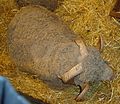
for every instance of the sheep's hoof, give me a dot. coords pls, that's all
(80, 96)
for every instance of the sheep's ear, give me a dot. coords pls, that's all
(82, 46)
(100, 44)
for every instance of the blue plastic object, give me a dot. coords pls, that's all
(8, 95)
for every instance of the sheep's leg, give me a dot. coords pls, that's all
(81, 94)
(77, 69)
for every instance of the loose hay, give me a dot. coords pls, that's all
(89, 18)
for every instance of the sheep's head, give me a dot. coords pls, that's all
(94, 68)
(91, 67)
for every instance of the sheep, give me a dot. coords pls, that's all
(40, 43)
(49, 4)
